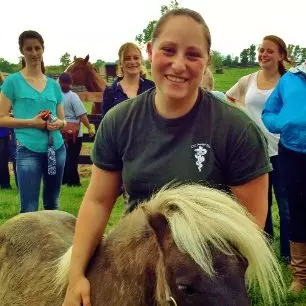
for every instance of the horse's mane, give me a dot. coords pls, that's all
(201, 219)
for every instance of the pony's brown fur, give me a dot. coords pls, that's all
(84, 73)
(189, 232)
(28, 244)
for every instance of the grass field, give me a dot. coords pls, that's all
(71, 198)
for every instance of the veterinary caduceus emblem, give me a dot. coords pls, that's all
(200, 153)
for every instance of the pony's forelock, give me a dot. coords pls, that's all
(201, 218)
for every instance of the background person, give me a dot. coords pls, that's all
(285, 113)
(40, 148)
(131, 79)
(251, 92)
(75, 113)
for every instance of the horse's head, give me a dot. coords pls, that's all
(79, 70)
(181, 281)
(84, 73)
(187, 246)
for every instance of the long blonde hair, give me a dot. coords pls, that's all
(200, 217)
(121, 54)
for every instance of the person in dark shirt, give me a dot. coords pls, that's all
(131, 79)
(174, 132)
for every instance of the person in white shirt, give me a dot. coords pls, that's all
(251, 92)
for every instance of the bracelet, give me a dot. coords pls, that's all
(63, 124)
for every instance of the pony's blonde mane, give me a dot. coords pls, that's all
(201, 218)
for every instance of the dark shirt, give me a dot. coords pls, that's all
(216, 144)
(114, 94)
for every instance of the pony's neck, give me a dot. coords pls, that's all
(122, 269)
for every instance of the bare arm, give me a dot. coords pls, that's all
(253, 195)
(7, 121)
(93, 216)
(84, 120)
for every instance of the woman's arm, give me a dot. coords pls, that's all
(7, 121)
(253, 195)
(93, 216)
(84, 120)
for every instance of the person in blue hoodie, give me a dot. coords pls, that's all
(285, 114)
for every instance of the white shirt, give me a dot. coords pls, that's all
(253, 99)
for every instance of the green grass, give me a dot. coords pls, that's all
(225, 81)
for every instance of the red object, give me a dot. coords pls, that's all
(45, 114)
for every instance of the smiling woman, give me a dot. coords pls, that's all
(176, 132)
(40, 148)
(131, 78)
(251, 92)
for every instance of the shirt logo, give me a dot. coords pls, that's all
(200, 150)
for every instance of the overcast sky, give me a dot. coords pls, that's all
(99, 27)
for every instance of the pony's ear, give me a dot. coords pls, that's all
(74, 58)
(160, 226)
(86, 59)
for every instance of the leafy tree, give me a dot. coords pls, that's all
(146, 34)
(252, 54)
(303, 54)
(99, 63)
(290, 49)
(5, 66)
(236, 61)
(65, 60)
(244, 57)
(228, 61)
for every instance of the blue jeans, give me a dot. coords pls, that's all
(31, 168)
(276, 181)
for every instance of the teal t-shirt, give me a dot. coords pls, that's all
(27, 102)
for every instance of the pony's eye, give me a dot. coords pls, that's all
(188, 290)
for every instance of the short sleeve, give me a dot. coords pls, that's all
(105, 153)
(58, 92)
(78, 106)
(8, 89)
(238, 91)
(248, 158)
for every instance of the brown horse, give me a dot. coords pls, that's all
(188, 245)
(84, 73)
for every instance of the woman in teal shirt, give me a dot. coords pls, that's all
(40, 149)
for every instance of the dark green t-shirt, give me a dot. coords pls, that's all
(215, 144)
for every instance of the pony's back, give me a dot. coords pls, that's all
(29, 245)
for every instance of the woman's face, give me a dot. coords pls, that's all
(32, 51)
(178, 58)
(131, 61)
(269, 55)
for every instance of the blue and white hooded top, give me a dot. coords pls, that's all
(285, 110)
